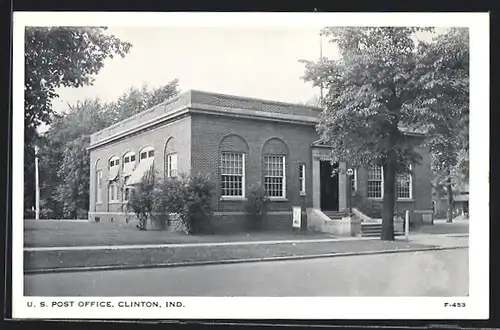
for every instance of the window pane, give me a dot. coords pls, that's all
(231, 167)
(403, 185)
(273, 175)
(375, 182)
(151, 153)
(132, 158)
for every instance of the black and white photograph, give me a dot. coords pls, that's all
(178, 161)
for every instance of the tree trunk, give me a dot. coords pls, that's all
(449, 192)
(388, 201)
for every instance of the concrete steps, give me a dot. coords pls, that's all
(336, 215)
(374, 230)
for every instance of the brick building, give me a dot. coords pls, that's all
(238, 142)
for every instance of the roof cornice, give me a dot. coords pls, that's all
(197, 108)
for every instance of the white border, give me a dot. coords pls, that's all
(242, 308)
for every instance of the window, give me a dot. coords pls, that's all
(302, 179)
(145, 153)
(274, 176)
(232, 168)
(354, 180)
(128, 163)
(99, 186)
(126, 192)
(113, 192)
(113, 162)
(404, 185)
(375, 182)
(171, 165)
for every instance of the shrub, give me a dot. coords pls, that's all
(171, 197)
(199, 204)
(256, 206)
(190, 198)
(141, 200)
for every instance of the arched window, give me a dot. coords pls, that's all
(128, 169)
(274, 156)
(128, 163)
(171, 159)
(232, 166)
(147, 152)
(146, 162)
(98, 183)
(113, 188)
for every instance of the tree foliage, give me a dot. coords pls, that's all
(58, 57)
(373, 97)
(62, 57)
(443, 73)
(73, 192)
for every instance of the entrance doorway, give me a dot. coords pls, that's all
(329, 186)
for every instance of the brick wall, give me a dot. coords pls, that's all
(157, 138)
(208, 131)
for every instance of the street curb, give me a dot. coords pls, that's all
(233, 261)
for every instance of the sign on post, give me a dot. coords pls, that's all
(297, 214)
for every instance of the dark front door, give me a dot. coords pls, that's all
(329, 186)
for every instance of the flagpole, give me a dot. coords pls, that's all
(321, 58)
(37, 187)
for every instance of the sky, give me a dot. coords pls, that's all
(253, 62)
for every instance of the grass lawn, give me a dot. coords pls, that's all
(44, 233)
(133, 257)
(441, 227)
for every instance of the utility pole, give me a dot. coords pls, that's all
(37, 187)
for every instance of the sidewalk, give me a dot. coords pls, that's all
(59, 259)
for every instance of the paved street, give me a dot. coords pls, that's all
(434, 273)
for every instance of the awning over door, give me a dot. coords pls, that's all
(140, 170)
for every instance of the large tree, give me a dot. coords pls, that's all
(64, 162)
(443, 74)
(58, 57)
(372, 99)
